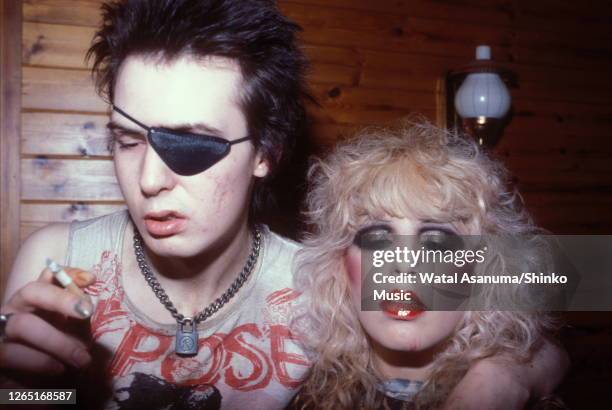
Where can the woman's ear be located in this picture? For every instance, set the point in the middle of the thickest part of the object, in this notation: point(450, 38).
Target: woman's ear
point(262, 167)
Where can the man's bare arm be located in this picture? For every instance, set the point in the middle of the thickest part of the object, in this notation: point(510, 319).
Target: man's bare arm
point(32, 344)
point(48, 242)
point(501, 384)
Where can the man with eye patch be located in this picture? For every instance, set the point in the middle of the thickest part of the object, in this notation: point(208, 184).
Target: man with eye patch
point(188, 289)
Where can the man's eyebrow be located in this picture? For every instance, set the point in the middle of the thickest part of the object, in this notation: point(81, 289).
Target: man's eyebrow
point(197, 128)
point(113, 126)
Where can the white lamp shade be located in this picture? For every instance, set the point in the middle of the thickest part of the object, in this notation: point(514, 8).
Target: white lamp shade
point(482, 95)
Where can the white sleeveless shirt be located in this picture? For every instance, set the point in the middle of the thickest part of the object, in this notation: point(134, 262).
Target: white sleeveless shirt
point(247, 356)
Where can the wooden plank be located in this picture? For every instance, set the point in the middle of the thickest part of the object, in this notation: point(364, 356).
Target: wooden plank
point(411, 40)
point(364, 97)
point(564, 111)
point(461, 11)
point(56, 45)
point(60, 89)
point(65, 212)
point(533, 15)
point(390, 30)
point(547, 134)
point(569, 16)
point(65, 46)
point(427, 35)
point(10, 107)
point(558, 173)
point(322, 13)
point(370, 116)
point(64, 134)
point(323, 73)
point(551, 126)
point(429, 66)
point(73, 12)
point(495, 13)
point(332, 55)
point(548, 143)
point(69, 180)
point(325, 135)
point(569, 207)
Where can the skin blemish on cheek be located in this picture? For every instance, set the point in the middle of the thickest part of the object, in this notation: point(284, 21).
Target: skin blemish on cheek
point(220, 193)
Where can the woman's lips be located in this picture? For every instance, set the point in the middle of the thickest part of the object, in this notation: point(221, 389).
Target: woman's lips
point(403, 310)
point(164, 223)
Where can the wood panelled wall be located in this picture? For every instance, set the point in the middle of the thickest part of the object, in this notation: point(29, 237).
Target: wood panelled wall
point(372, 62)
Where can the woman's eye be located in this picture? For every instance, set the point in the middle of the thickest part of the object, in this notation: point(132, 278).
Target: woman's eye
point(440, 240)
point(373, 239)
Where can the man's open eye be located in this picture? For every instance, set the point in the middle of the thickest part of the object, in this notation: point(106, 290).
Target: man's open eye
point(374, 237)
point(440, 239)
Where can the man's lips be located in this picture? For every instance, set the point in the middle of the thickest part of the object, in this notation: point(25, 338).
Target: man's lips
point(403, 309)
point(165, 223)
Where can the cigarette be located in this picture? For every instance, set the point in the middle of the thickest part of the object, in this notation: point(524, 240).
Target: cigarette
point(63, 278)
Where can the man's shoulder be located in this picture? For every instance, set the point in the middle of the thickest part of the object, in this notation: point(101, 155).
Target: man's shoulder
point(110, 220)
point(47, 242)
point(50, 239)
point(280, 255)
point(286, 244)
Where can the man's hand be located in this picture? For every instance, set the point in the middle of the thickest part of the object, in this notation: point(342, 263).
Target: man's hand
point(498, 383)
point(32, 343)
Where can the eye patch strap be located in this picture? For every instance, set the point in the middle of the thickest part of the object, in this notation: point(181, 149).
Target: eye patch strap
point(140, 124)
point(129, 117)
point(232, 142)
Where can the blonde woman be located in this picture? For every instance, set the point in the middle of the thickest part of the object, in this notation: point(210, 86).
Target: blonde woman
point(412, 180)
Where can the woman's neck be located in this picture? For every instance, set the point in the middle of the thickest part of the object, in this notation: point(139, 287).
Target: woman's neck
point(395, 364)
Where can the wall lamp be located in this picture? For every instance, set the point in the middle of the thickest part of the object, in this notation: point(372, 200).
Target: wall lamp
point(478, 102)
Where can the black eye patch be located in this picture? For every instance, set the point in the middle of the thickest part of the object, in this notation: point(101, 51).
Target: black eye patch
point(185, 153)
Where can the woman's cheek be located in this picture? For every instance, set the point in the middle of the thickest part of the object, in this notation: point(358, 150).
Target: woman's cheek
point(352, 262)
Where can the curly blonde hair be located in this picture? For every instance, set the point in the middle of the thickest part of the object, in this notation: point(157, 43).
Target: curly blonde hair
point(411, 169)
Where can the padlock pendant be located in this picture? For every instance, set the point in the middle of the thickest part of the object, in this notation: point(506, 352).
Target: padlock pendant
point(186, 338)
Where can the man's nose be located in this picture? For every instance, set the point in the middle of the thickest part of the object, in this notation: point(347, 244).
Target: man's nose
point(155, 176)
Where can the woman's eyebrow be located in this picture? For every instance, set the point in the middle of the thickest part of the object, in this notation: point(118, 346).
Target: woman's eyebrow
point(374, 226)
point(434, 222)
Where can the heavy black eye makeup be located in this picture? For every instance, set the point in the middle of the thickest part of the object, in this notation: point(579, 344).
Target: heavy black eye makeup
point(374, 237)
point(439, 237)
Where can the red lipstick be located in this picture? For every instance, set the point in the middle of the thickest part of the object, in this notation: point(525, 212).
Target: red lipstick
point(164, 223)
point(402, 309)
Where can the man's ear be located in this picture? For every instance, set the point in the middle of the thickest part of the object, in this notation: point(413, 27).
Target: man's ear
point(262, 167)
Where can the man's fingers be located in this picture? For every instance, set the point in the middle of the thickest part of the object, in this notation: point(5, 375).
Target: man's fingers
point(24, 358)
point(34, 331)
point(81, 278)
point(45, 296)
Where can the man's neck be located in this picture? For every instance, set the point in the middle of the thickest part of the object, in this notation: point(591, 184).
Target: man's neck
point(193, 283)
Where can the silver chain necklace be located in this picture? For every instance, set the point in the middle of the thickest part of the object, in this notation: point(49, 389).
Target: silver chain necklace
point(187, 333)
